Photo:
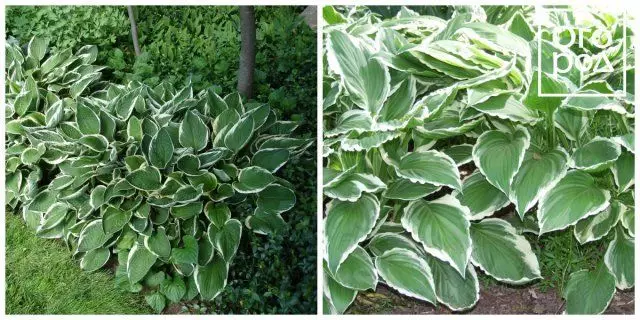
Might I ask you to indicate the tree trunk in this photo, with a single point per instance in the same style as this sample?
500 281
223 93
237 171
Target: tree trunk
247 51
134 30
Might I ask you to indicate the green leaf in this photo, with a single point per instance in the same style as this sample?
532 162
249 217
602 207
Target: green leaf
620 257
502 253
217 213
589 292
186 211
139 262
429 167
270 159
161 149
595 227
193 133
498 155
482 198
134 128
37 48
385 241
114 219
574 197
276 199
572 123
357 271
187 193
408 273
145 178
593 103
54 216
212 278
87 120
351 187
253 180
92 236
461 154
366 79
442 227
95 142
265 223
597 155
403 189
188 254
54 115
156 301
339 296
624 171
536 175
506 106
95 259
174 289
346 225
227 239
454 290
158 243
239 134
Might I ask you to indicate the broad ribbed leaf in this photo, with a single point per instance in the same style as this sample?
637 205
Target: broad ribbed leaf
54 216
357 271
574 197
227 239
506 106
270 159
573 123
597 155
429 167
146 178
351 187
139 262
538 172
188 253
454 290
212 278
92 236
87 120
174 289
624 171
482 198
193 133
265 223
366 79
217 213
253 180
95 259
408 273
385 241
158 243
161 149
186 211
239 134
276 199
338 295
114 219
589 292
461 154
346 225
498 155
595 227
403 189
442 226
620 257
502 253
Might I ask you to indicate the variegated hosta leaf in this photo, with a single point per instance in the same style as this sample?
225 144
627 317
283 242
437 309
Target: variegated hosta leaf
404 189
597 226
357 271
139 262
573 123
627 141
351 187
482 198
506 106
502 253
408 273
429 167
538 172
593 103
461 154
212 278
346 225
456 291
498 155
339 296
253 180
385 241
95 259
575 197
620 257
193 132
589 291
366 79
624 171
628 221
597 155
442 226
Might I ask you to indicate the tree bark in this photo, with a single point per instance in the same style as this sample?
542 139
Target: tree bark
247 51
134 30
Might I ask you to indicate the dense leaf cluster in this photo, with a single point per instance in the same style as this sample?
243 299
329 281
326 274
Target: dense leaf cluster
435 130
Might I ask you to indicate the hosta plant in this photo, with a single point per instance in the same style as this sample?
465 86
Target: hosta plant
150 177
440 154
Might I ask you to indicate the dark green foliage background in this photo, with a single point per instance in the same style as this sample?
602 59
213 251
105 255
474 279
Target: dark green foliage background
274 274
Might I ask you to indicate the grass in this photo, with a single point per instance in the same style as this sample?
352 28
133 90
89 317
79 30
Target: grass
41 278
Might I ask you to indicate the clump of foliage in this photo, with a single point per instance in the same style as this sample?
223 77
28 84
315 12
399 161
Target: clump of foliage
147 174
434 129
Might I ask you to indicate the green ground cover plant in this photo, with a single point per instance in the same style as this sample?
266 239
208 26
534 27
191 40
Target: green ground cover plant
147 175
441 157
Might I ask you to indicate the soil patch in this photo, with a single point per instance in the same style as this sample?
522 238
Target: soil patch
494 299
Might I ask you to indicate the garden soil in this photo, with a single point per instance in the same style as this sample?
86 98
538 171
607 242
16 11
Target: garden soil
494 299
